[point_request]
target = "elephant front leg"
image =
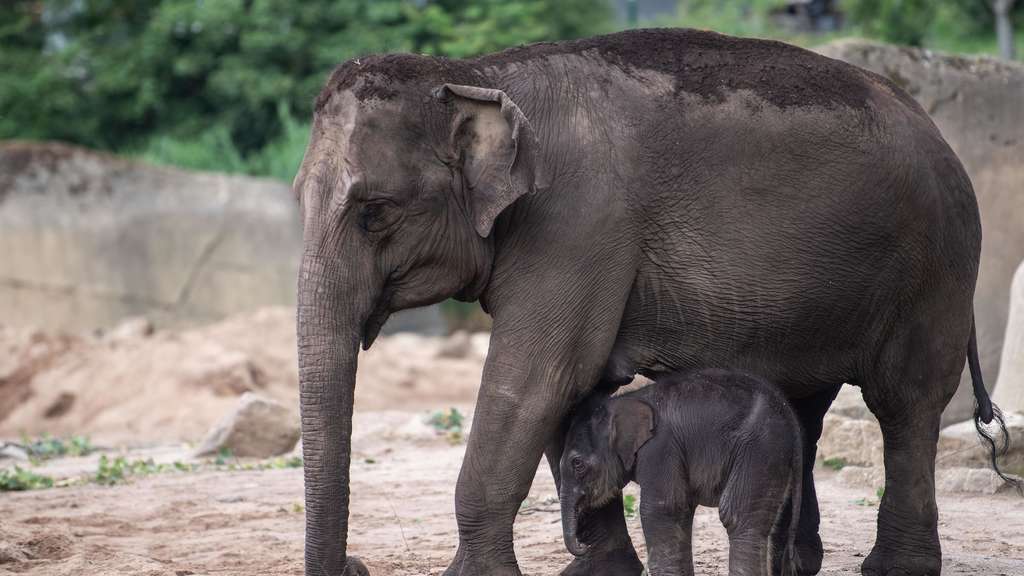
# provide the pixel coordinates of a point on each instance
(512, 424)
(669, 534)
(610, 551)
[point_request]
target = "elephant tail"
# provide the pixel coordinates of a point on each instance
(985, 412)
(796, 490)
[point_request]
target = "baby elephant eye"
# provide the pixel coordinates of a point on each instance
(578, 467)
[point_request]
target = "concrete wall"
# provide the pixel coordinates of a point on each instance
(978, 104)
(87, 239)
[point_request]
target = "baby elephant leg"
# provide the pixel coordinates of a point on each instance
(750, 508)
(668, 533)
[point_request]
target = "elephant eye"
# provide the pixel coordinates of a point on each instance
(376, 216)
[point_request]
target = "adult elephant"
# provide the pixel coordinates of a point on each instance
(646, 201)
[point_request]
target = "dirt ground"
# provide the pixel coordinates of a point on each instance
(158, 393)
(402, 519)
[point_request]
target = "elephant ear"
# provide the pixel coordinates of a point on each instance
(631, 423)
(498, 149)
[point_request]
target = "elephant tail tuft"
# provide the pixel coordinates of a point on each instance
(985, 412)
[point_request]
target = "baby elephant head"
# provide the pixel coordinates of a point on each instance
(598, 459)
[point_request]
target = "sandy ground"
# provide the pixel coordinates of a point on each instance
(159, 392)
(402, 519)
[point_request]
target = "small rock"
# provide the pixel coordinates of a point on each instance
(13, 451)
(861, 477)
(458, 345)
(960, 445)
(225, 373)
(481, 343)
(416, 428)
(970, 481)
(134, 328)
(855, 442)
(850, 403)
(257, 427)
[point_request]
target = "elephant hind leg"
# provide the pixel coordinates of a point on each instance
(915, 376)
(810, 411)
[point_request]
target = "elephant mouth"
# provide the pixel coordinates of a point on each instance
(380, 314)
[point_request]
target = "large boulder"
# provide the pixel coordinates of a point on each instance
(257, 427)
(960, 445)
(978, 104)
(849, 441)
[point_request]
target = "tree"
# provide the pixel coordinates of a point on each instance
(898, 21)
(228, 73)
(1004, 28)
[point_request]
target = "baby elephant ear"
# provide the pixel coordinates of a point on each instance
(632, 425)
(498, 148)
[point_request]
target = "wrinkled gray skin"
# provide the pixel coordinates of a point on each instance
(715, 438)
(644, 202)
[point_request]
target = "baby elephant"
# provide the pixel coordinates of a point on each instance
(709, 438)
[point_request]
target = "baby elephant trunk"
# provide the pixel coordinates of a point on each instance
(570, 528)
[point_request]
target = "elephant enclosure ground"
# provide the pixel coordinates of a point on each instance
(150, 397)
(402, 519)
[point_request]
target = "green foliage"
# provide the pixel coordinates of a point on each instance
(468, 316)
(18, 478)
(118, 470)
(836, 464)
(220, 84)
(896, 21)
(448, 423)
(46, 447)
(629, 505)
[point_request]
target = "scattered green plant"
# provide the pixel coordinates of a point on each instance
(448, 423)
(119, 469)
(836, 464)
(18, 478)
(46, 447)
(629, 505)
(880, 492)
(223, 456)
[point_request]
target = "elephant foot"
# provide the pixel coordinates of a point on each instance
(809, 554)
(894, 563)
(463, 566)
(615, 562)
(355, 567)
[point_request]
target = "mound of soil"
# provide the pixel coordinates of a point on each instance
(135, 387)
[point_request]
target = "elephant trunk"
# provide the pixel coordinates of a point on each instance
(331, 314)
(570, 524)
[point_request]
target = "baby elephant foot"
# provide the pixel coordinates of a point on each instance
(616, 562)
(881, 563)
(355, 567)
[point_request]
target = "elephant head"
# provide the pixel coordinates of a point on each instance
(599, 458)
(399, 189)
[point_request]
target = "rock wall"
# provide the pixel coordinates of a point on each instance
(89, 239)
(1009, 392)
(978, 104)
